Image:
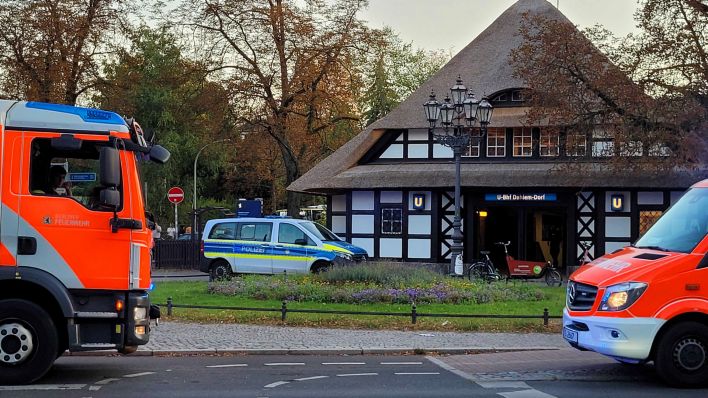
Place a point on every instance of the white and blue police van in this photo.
(272, 245)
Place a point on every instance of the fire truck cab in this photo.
(74, 239)
(649, 301)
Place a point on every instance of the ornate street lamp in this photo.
(458, 116)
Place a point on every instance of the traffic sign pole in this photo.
(176, 223)
(176, 195)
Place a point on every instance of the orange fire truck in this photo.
(74, 238)
(649, 301)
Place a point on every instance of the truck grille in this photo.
(579, 296)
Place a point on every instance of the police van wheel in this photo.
(320, 267)
(28, 342)
(682, 355)
(221, 270)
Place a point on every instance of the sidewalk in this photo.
(174, 337)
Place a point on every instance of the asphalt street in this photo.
(509, 375)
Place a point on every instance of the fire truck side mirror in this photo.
(110, 198)
(159, 154)
(109, 167)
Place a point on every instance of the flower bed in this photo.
(375, 285)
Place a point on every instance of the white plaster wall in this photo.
(612, 246)
(650, 198)
(362, 200)
(419, 224)
(419, 248)
(366, 244)
(339, 203)
(394, 151)
(417, 151)
(391, 197)
(418, 135)
(618, 227)
(391, 248)
(441, 151)
(362, 224)
(339, 225)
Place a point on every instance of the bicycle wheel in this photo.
(477, 271)
(553, 278)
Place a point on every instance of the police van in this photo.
(272, 245)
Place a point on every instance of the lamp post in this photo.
(458, 116)
(194, 198)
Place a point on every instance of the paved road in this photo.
(545, 374)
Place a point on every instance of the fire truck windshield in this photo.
(682, 227)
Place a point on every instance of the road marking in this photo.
(276, 384)
(417, 373)
(43, 387)
(532, 393)
(450, 368)
(357, 374)
(285, 364)
(311, 378)
(94, 388)
(105, 381)
(130, 376)
(401, 363)
(233, 365)
(343, 363)
(503, 384)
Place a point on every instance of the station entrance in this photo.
(536, 233)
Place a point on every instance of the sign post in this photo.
(175, 195)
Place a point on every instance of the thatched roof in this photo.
(484, 67)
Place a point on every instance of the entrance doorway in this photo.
(536, 233)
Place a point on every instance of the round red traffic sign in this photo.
(175, 195)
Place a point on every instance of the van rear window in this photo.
(225, 230)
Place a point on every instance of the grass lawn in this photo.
(195, 293)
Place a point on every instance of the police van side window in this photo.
(291, 234)
(71, 174)
(259, 232)
(223, 231)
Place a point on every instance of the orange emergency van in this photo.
(649, 301)
(74, 239)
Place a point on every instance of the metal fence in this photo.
(176, 254)
(413, 314)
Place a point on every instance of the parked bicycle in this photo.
(483, 269)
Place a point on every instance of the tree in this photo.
(50, 49)
(168, 93)
(647, 91)
(398, 70)
(288, 67)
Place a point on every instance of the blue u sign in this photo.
(617, 202)
(418, 201)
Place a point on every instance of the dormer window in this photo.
(517, 96)
(503, 97)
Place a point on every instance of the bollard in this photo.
(283, 310)
(169, 306)
(545, 317)
(414, 314)
(285, 275)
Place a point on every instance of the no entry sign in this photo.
(175, 195)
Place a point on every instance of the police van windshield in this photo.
(683, 226)
(319, 231)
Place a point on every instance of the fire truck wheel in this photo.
(28, 342)
(221, 270)
(682, 355)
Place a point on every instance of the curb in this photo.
(313, 351)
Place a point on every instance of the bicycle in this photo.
(483, 269)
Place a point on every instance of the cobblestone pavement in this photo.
(174, 336)
(563, 364)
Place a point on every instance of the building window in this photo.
(549, 143)
(496, 143)
(472, 150)
(647, 219)
(391, 220)
(523, 142)
(503, 97)
(576, 144)
(517, 96)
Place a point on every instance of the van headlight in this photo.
(345, 256)
(621, 296)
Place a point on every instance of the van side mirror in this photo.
(109, 197)
(159, 154)
(109, 168)
(301, 242)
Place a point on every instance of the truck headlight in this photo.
(345, 256)
(619, 297)
(139, 313)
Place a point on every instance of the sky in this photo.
(431, 24)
